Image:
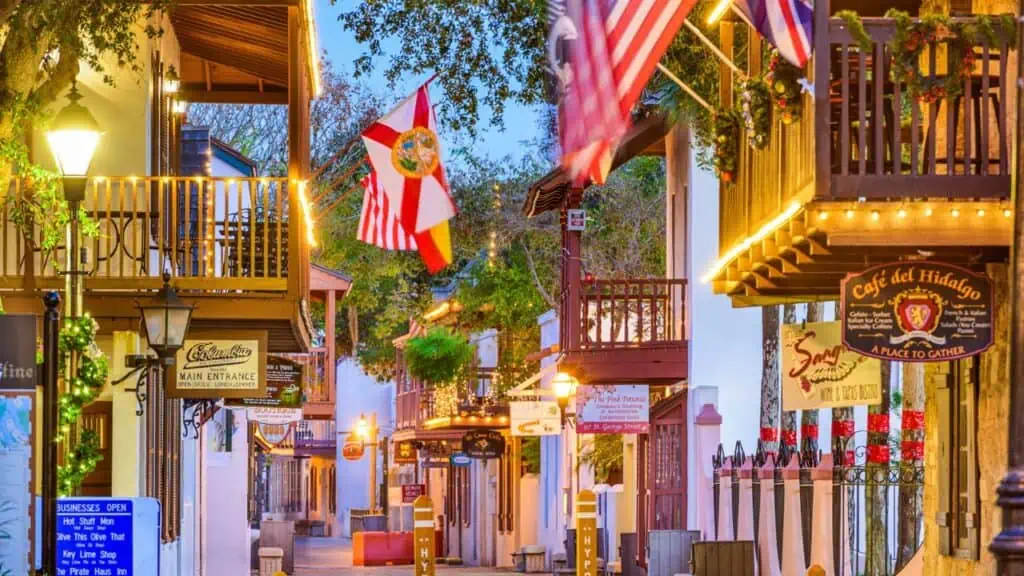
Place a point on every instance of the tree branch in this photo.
(7, 8)
(61, 76)
(536, 280)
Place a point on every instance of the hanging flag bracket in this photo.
(711, 46)
(686, 88)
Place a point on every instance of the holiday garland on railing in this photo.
(78, 336)
(784, 79)
(727, 136)
(756, 111)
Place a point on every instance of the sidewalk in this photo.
(333, 557)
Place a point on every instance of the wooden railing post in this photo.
(820, 63)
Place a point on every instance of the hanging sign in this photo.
(435, 455)
(540, 418)
(17, 352)
(267, 415)
(423, 533)
(273, 434)
(917, 312)
(284, 385)
(818, 371)
(586, 534)
(405, 453)
(16, 466)
(353, 448)
(221, 365)
(460, 460)
(483, 444)
(618, 409)
(108, 536)
(410, 492)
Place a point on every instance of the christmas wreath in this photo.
(783, 79)
(727, 131)
(756, 111)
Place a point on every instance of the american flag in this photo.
(787, 24)
(378, 223)
(613, 57)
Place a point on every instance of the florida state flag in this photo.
(406, 155)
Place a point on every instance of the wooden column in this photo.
(726, 34)
(820, 64)
(1008, 546)
(677, 167)
(298, 156)
(329, 342)
(571, 286)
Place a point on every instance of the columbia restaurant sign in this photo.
(917, 312)
(223, 365)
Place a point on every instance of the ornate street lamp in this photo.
(363, 428)
(73, 137)
(165, 321)
(564, 386)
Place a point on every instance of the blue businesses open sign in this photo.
(108, 537)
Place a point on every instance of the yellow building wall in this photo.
(122, 109)
(993, 419)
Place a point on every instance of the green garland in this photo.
(783, 79)
(79, 336)
(855, 26)
(913, 36)
(727, 135)
(756, 111)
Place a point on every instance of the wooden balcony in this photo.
(222, 240)
(315, 438)
(422, 413)
(622, 331)
(869, 173)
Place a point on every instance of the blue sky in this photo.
(342, 49)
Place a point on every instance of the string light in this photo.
(761, 234)
(1007, 213)
(849, 214)
(718, 11)
(874, 214)
(956, 212)
(306, 212)
(928, 211)
(901, 213)
(980, 212)
(822, 215)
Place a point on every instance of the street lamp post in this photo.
(367, 432)
(73, 137)
(564, 385)
(1008, 545)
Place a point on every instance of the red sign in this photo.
(353, 448)
(410, 492)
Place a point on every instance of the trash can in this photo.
(271, 561)
(534, 558)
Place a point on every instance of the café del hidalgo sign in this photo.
(917, 311)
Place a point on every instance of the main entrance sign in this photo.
(917, 312)
(221, 365)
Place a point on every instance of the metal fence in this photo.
(876, 521)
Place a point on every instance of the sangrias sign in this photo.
(224, 365)
(818, 371)
(917, 312)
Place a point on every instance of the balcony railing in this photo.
(209, 233)
(315, 435)
(630, 313)
(319, 398)
(862, 134)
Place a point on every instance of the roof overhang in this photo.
(646, 138)
(236, 51)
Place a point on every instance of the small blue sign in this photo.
(461, 460)
(108, 537)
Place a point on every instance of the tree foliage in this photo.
(604, 455)
(496, 47)
(441, 356)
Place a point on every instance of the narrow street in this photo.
(333, 557)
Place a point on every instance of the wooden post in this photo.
(586, 534)
(329, 335)
(677, 167)
(423, 535)
(1008, 545)
(571, 308)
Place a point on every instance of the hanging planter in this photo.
(439, 357)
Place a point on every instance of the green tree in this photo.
(499, 48)
(43, 44)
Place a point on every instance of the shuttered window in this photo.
(957, 400)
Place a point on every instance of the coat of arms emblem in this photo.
(918, 312)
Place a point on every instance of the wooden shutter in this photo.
(958, 517)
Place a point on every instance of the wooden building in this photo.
(871, 174)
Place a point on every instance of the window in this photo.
(958, 518)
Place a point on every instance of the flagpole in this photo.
(338, 180)
(711, 45)
(334, 204)
(685, 88)
(344, 148)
